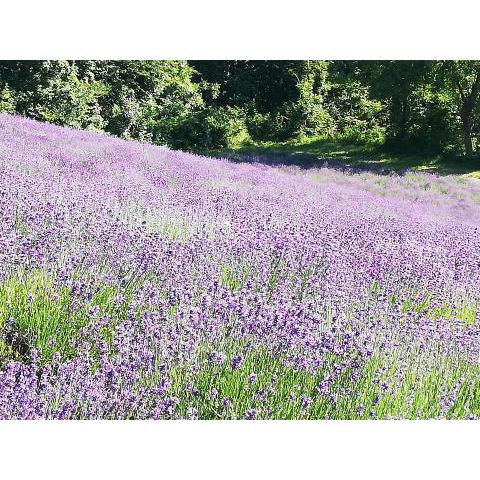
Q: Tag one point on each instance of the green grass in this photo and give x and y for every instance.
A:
(44, 316)
(45, 319)
(371, 157)
(464, 310)
(235, 275)
(413, 393)
(39, 311)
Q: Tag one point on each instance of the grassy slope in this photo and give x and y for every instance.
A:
(369, 157)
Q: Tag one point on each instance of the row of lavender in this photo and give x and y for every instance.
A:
(138, 282)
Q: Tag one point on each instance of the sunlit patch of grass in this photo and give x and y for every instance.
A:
(37, 310)
(464, 310)
(372, 156)
(235, 274)
(274, 391)
(381, 181)
(7, 353)
(20, 226)
(441, 189)
(37, 313)
(175, 225)
(413, 304)
(385, 389)
(431, 388)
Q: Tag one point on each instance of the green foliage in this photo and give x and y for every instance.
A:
(211, 128)
(427, 107)
(269, 126)
(133, 99)
(37, 313)
(307, 117)
(7, 100)
(358, 132)
(432, 105)
(148, 99)
(265, 84)
(279, 389)
(303, 112)
(357, 117)
(459, 82)
(67, 100)
(432, 126)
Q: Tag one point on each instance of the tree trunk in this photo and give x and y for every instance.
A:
(467, 107)
(467, 132)
(467, 115)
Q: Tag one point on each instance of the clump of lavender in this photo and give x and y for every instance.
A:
(251, 414)
(237, 361)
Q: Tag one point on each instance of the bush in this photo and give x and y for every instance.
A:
(360, 132)
(148, 99)
(211, 128)
(266, 126)
(7, 100)
(307, 118)
(294, 119)
(67, 100)
(432, 125)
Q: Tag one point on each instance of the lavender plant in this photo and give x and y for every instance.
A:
(138, 282)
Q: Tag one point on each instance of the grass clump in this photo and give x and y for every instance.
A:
(37, 313)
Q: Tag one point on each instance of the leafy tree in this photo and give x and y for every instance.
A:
(356, 115)
(265, 84)
(281, 98)
(417, 105)
(211, 128)
(394, 83)
(463, 80)
(67, 100)
(146, 99)
(53, 91)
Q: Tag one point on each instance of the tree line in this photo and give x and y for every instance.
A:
(416, 106)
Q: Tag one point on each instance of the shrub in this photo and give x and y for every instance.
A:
(266, 126)
(294, 119)
(149, 99)
(211, 128)
(7, 100)
(360, 132)
(307, 117)
(67, 100)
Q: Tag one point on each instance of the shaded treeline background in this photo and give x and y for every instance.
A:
(414, 106)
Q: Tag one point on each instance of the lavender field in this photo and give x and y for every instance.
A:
(138, 282)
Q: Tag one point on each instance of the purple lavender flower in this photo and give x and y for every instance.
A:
(237, 361)
(251, 414)
(192, 413)
(94, 310)
(305, 402)
(159, 256)
(213, 394)
(217, 358)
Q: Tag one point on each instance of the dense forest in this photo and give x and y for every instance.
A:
(415, 106)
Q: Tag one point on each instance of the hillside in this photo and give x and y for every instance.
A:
(142, 282)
